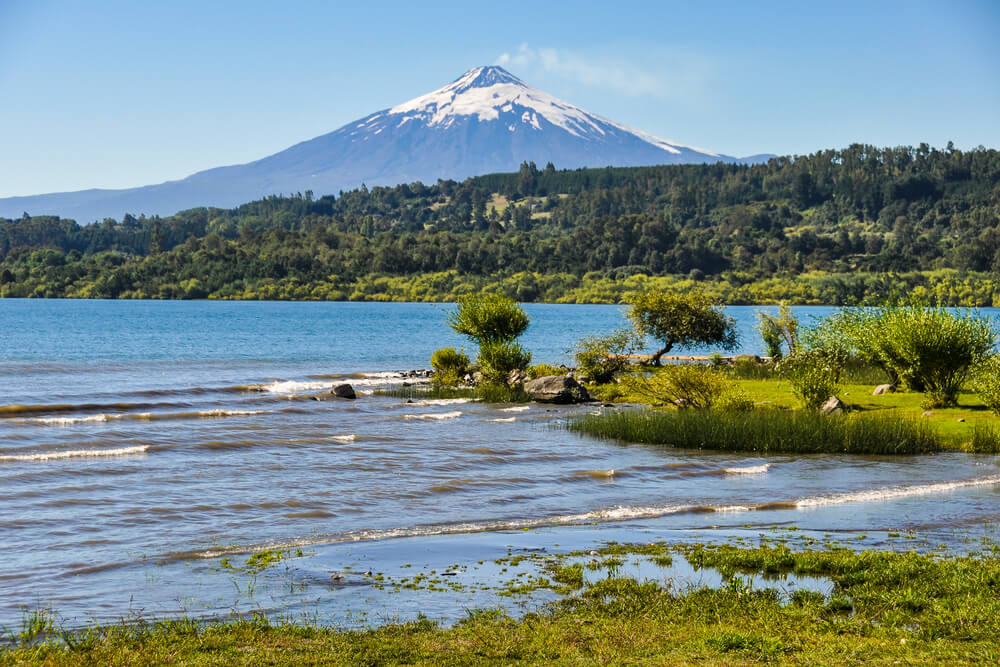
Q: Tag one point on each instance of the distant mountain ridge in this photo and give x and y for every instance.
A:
(486, 121)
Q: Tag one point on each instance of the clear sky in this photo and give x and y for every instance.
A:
(105, 93)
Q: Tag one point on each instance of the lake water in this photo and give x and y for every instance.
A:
(141, 442)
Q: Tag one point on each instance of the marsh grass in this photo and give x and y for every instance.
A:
(427, 392)
(763, 431)
(886, 608)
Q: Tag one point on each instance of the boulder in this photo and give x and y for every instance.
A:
(833, 406)
(883, 389)
(747, 358)
(343, 391)
(561, 389)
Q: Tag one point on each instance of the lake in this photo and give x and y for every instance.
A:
(141, 443)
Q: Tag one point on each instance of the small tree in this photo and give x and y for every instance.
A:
(488, 318)
(779, 330)
(494, 322)
(681, 320)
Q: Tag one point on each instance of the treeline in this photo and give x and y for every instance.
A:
(859, 218)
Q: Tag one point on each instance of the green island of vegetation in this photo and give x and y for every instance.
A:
(838, 227)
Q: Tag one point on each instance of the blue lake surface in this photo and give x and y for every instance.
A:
(142, 441)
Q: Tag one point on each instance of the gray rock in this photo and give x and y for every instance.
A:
(343, 391)
(747, 358)
(833, 406)
(883, 389)
(561, 389)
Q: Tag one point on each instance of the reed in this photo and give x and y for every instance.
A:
(427, 392)
(764, 431)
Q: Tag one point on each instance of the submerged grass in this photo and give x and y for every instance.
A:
(764, 431)
(885, 608)
(487, 393)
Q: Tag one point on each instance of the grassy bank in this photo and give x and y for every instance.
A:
(884, 608)
(763, 431)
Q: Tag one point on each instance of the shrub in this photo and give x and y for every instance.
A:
(683, 385)
(602, 358)
(488, 318)
(734, 400)
(812, 376)
(931, 350)
(779, 330)
(541, 370)
(450, 366)
(497, 360)
(986, 383)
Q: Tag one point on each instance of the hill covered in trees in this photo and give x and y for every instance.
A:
(836, 226)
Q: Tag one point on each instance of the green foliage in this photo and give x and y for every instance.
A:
(986, 382)
(764, 431)
(498, 359)
(778, 330)
(813, 376)
(683, 385)
(541, 370)
(734, 399)
(681, 320)
(602, 358)
(930, 349)
(488, 319)
(450, 366)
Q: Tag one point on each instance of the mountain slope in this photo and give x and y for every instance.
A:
(485, 121)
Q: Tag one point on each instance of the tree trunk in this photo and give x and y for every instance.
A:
(655, 360)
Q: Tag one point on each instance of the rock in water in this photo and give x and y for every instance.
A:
(561, 389)
(883, 389)
(343, 391)
(833, 406)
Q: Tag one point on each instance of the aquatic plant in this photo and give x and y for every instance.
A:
(763, 431)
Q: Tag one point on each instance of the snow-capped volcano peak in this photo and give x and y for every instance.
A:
(485, 121)
(491, 93)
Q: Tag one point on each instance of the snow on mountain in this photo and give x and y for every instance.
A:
(486, 121)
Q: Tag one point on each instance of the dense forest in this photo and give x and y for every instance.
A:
(838, 226)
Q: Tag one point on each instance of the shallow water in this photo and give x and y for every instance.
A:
(141, 442)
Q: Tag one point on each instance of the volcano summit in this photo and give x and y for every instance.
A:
(487, 120)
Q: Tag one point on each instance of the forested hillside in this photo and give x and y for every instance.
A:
(833, 227)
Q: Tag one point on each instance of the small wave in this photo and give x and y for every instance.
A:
(137, 416)
(891, 493)
(516, 408)
(442, 401)
(504, 420)
(77, 453)
(597, 474)
(436, 415)
(351, 437)
(748, 470)
(291, 386)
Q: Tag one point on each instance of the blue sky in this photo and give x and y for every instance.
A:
(119, 94)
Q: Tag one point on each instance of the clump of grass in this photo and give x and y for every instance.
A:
(763, 431)
(427, 392)
(498, 393)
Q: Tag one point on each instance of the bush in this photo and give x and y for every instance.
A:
(602, 358)
(541, 370)
(488, 318)
(497, 360)
(450, 366)
(986, 383)
(734, 400)
(779, 330)
(683, 385)
(812, 376)
(931, 350)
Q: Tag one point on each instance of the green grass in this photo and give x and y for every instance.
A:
(425, 392)
(763, 431)
(886, 608)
